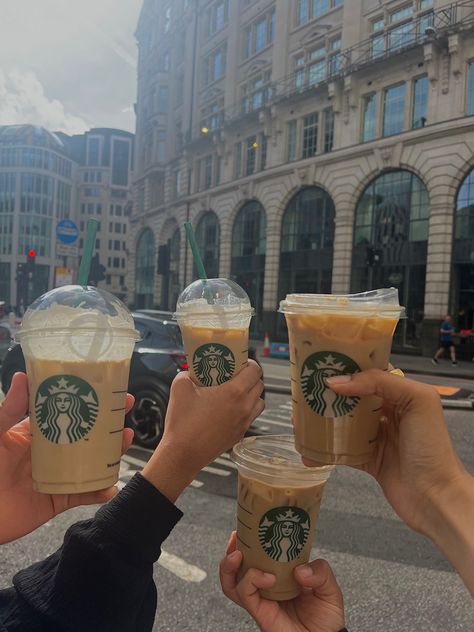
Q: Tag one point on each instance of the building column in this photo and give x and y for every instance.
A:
(438, 268)
(343, 240)
(272, 271)
(225, 248)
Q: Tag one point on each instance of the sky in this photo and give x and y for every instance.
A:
(68, 65)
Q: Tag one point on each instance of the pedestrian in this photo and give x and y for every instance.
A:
(101, 579)
(446, 341)
(421, 477)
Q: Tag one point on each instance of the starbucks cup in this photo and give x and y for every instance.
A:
(329, 336)
(214, 318)
(277, 510)
(77, 342)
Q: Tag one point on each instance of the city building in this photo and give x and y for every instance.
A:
(48, 177)
(315, 146)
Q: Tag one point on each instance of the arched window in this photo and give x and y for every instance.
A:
(307, 237)
(248, 256)
(145, 270)
(390, 245)
(462, 300)
(208, 239)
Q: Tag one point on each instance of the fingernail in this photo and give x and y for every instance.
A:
(233, 557)
(269, 575)
(305, 571)
(338, 379)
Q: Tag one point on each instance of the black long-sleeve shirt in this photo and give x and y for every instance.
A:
(101, 579)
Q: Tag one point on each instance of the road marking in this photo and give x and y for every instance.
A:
(196, 484)
(131, 460)
(286, 406)
(273, 413)
(180, 568)
(278, 423)
(215, 470)
(226, 463)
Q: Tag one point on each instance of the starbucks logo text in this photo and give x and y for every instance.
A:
(213, 364)
(66, 408)
(283, 533)
(322, 400)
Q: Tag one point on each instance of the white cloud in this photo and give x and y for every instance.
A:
(23, 100)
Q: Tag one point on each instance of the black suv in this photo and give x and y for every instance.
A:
(157, 358)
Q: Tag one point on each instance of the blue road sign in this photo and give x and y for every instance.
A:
(67, 231)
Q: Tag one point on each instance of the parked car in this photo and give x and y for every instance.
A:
(157, 358)
(5, 340)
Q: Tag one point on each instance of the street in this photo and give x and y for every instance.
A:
(392, 578)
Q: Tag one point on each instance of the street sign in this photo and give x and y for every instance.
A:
(63, 277)
(67, 231)
(63, 250)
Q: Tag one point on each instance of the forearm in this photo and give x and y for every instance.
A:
(450, 525)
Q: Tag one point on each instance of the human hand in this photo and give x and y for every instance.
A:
(21, 508)
(201, 423)
(319, 607)
(414, 461)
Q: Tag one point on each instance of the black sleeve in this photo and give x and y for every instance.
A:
(102, 576)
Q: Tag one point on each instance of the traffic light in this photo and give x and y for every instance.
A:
(30, 260)
(97, 272)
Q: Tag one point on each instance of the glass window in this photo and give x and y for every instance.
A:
(247, 42)
(300, 72)
(401, 36)
(378, 24)
(394, 110)
(308, 222)
(120, 162)
(145, 269)
(249, 233)
(163, 99)
(207, 172)
(251, 154)
(470, 89)
(319, 7)
(402, 14)
(317, 72)
(161, 145)
(378, 45)
(328, 129)
(420, 101)
(93, 151)
(220, 15)
(292, 127)
(310, 135)
(302, 13)
(261, 34)
(425, 21)
(208, 239)
(238, 160)
(464, 219)
(263, 152)
(369, 122)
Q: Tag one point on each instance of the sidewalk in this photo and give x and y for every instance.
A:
(408, 364)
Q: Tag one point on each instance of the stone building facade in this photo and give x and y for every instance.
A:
(316, 146)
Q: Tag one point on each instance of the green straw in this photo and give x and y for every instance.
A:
(86, 260)
(198, 261)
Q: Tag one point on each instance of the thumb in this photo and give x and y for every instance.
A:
(318, 576)
(395, 390)
(15, 405)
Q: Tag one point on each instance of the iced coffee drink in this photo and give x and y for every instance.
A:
(330, 336)
(277, 512)
(77, 344)
(214, 318)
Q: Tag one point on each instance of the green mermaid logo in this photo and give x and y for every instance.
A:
(213, 364)
(66, 408)
(321, 399)
(283, 533)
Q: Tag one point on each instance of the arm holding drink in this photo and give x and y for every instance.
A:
(100, 563)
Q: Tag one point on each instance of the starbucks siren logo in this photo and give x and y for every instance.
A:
(321, 399)
(213, 364)
(283, 533)
(66, 408)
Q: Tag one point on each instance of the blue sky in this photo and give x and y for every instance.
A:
(68, 64)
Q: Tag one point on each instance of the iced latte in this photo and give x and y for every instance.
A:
(330, 336)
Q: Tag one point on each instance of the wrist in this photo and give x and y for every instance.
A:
(169, 470)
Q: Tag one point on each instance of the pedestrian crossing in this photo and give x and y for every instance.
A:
(275, 420)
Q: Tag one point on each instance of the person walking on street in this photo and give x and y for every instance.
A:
(446, 341)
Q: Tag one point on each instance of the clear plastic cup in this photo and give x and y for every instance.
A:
(214, 318)
(77, 342)
(337, 335)
(277, 509)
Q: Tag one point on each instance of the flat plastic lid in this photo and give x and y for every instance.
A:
(384, 301)
(276, 456)
(211, 296)
(78, 308)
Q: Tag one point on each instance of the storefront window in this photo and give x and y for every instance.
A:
(145, 270)
(390, 245)
(463, 256)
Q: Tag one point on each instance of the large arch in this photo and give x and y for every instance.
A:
(249, 235)
(462, 297)
(306, 247)
(208, 239)
(390, 245)
(145, 270)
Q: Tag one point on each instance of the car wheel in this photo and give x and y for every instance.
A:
(147, 417)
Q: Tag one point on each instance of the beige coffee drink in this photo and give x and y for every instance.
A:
(214, 318)
(277, 512)
(330, 336)
(77, 344)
